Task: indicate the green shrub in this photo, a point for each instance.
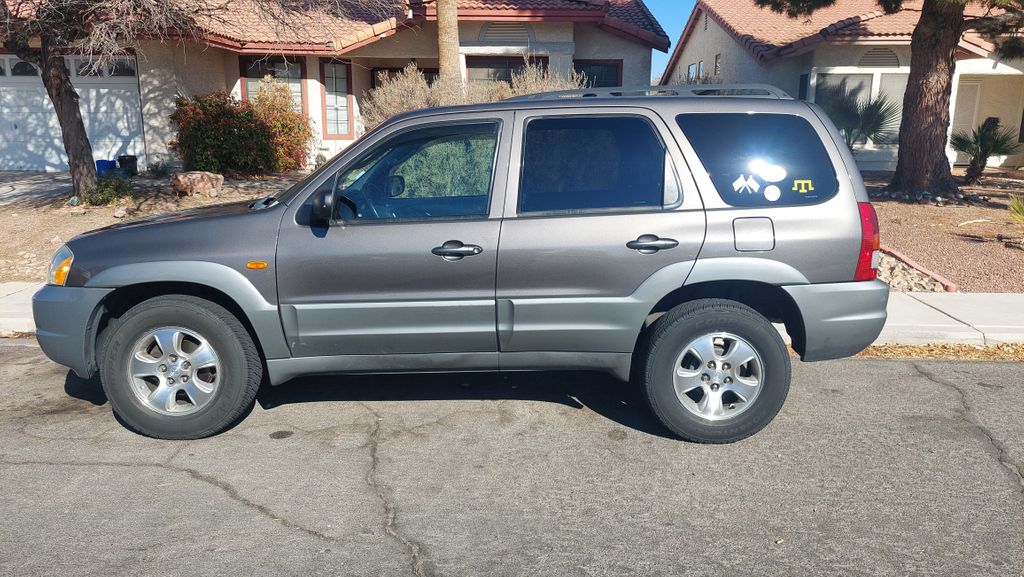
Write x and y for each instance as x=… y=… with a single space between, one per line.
x=1017 y=208
x=218 y=133
x=983 y=142
x=107 y=190
x=290 y=131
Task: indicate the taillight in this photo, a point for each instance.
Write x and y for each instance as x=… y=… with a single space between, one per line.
x=870 y=241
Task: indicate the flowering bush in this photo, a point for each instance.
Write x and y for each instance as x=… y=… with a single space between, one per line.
x=218 y=133
x=290 y=131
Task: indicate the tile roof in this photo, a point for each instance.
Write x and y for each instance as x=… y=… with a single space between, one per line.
x=767 y=35
x=272 y=26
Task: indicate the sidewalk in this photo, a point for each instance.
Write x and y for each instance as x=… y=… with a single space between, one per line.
x=914 y=318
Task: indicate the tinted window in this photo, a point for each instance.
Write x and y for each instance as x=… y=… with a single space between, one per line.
x=585 y=164
x=761 y=159
x=436 y=172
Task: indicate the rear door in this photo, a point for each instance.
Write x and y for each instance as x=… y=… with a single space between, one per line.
x=600 y=211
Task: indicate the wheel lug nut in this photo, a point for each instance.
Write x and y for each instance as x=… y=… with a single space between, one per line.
x=185 y=365
x=725 y=366
x=711 y=364
x=728 y=380
x=173 y=358
x=170 y=381
x=184 y=378
x=714 y=387
x=163 y=368
x=705 y=378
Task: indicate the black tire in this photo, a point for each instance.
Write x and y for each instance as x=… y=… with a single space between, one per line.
x=689 y=321
x=237 y=383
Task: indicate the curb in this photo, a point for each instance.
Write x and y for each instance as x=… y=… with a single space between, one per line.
x=946 y=283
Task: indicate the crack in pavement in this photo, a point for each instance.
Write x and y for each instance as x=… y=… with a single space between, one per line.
x=997 y=448
x=227 y=488
x=390 y=510
x=1002 y=454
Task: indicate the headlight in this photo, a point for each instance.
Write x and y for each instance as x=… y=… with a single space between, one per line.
x=60 y=266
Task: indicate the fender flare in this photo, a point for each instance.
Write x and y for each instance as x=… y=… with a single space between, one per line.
x=262 y=315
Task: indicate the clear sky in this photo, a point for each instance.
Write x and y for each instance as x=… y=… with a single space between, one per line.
x=672 y=15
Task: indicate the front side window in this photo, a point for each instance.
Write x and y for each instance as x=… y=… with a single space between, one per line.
x=761 y=159
x=336 y=91
x=443 y=171
x=280 y=69
x=586 y=164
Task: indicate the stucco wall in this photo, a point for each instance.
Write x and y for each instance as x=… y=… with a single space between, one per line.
x=737 y=65
x=1001 y=96
x=592 y=43
x=169 y=70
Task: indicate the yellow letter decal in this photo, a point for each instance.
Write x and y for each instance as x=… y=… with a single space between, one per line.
x=803 y=186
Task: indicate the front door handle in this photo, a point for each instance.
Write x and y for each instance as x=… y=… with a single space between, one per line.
x=454 y=250
x=650 y=244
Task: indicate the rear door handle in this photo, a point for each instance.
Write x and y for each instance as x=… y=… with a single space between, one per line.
x=454 y=250
x=650 y=244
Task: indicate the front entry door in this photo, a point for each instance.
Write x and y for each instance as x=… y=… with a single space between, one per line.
x=409 y=266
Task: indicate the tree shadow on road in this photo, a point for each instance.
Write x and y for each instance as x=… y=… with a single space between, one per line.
x=614 y=400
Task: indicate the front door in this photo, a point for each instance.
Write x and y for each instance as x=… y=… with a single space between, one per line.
x=409 y=265
x=600 y=213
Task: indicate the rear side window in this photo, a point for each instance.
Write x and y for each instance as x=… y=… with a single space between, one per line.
x=761 y=159
x=586 y=164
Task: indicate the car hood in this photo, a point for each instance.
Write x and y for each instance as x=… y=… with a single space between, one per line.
x=192 y=214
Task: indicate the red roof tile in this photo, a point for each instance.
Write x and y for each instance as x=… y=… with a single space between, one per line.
x=336 y=33
x=767 y=35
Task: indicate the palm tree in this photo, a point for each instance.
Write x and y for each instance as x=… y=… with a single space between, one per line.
x=980 y=144
x=857 y=118
x=449 y=66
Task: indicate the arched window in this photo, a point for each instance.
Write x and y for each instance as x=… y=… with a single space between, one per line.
x=879 y=58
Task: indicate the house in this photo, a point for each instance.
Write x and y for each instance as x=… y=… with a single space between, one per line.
x=733 y=41
x=328 y=61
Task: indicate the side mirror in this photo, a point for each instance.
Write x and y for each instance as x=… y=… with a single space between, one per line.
x=323 y=206
x=397 y=186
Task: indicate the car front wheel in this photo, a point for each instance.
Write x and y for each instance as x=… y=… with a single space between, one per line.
x=179 y=367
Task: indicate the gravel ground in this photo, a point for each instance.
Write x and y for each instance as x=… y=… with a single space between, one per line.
x=34 y=225
x=961 y=243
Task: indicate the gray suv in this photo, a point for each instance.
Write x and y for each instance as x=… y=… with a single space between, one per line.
x=652 y=234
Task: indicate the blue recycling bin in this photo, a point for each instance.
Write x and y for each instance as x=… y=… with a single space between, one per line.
x=106 y=167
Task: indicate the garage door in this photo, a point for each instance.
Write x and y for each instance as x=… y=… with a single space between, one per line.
x=30 y=136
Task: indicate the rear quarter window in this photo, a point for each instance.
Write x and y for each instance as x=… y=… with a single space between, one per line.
x=761 y=159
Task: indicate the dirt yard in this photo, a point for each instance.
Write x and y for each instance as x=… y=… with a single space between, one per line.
x=965 y=244
x=32 y=228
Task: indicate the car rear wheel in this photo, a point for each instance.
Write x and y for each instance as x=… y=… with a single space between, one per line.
x=715 y=371
x=179 y=367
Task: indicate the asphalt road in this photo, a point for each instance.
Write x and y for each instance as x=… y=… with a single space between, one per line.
x=873 y=468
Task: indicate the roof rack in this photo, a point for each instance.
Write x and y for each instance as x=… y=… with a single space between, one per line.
x=686 y=91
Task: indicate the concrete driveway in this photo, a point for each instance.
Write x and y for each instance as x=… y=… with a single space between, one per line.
x=873 y=468
x=32 y=187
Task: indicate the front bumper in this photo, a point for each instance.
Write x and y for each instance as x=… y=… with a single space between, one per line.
x=65 y=320
x=840 y=319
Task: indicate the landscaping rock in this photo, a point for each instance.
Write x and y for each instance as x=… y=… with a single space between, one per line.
x=77 y=211
x=901 y=277
x=120 y=213
x=197 y=182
